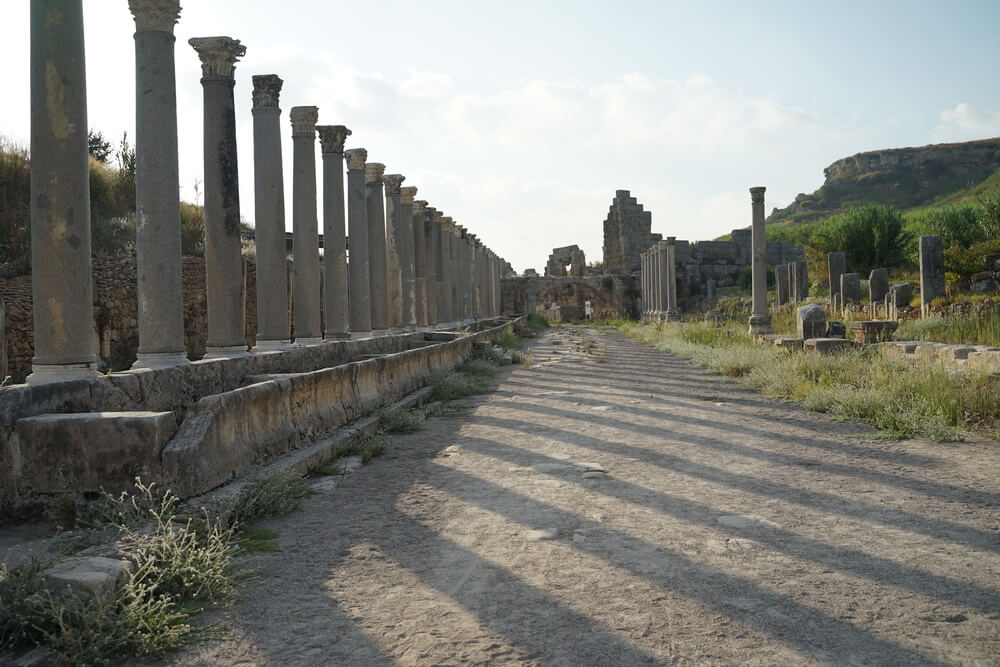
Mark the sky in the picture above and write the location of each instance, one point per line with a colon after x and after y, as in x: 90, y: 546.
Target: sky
x: 520, y: 119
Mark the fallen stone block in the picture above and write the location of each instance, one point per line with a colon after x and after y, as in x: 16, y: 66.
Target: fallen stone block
x: 874, y: 331
x: 789, y: 343
x: 827, y: 345
x: 87, y: 576
x: 810, y: 321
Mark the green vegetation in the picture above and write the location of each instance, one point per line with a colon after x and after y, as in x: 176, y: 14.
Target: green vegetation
x: 472, y: 378
x: 399, y: 421
x: 257, y: 540
x: 267, y: 495
x: 536, y: 323
x: 900, y: 399
x: 966, y: 329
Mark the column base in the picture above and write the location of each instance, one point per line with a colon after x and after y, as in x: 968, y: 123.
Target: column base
x: 306, y: 342
x: 336, y: 335
x: 760, y: 324
x: 46, y: 373
x: 160, y: 360
x: 271, y: 345
x: 381, y: 332
x: 226, y: 352
x: 361, y: 334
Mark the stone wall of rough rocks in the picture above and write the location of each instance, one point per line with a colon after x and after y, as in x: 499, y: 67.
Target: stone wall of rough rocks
x: 610, y: 296
x: 115, y: 313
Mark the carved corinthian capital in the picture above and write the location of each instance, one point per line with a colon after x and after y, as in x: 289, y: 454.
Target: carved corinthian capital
x: 266, y: 88
x: 356, y: 158
x: 757, y: 193
x: 332, y: 138
x: 304, y: 121
x: 419, y: 206
x: 408, y: 193
x: 373, y: 172
x: 392, y: 183
x: 159, y: 15
x: 218, y: 54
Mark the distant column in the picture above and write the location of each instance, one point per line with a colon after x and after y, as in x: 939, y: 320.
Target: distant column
x: 663, y: 259
x: 643, y: 284
x: 657, y: 285
x: 331, y: 139
x: 376, y: 247
x: 159, y: 284
x: 393, y: 243
x: 445, y: 270
x: 357, y: 245
x: 269, y: 210
x: 760, y: 320
x: 672, y: 314
x: 305, y: 227
x: 406, y: 256
x: 419, y: 264
x: 432, y: 246
x: 837, y: 263
x: 60, y: 197
x: 931, y: 272
x: 223, y: 261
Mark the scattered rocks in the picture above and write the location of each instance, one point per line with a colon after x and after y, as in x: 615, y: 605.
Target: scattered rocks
x: 87, y: 576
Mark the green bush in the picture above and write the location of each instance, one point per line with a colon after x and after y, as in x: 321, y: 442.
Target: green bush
x: 870, y: 237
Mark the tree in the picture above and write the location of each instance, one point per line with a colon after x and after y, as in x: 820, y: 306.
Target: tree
x: 98, y: 146
x: 870, y: 237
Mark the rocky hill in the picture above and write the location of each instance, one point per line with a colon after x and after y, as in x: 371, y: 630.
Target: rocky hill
x: 903, y: 177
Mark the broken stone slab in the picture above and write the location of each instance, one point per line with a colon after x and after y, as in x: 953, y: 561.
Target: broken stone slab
x: 901, y: 294
x: 789, y: 343
x: 87, y: 576
x: 827, y: 345
x: 873, y: 331
x: 878, y: 285
x: 810, y: 321
x: 898, y: 349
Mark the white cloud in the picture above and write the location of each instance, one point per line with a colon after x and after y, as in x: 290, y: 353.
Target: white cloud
x: 966, y: 122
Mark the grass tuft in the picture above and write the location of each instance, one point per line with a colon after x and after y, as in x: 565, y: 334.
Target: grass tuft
x: 266, y: 496
x: 399, y: 421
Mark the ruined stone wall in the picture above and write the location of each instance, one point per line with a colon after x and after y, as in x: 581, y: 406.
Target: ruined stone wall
x: 611, y: 296
x: 627, y: 233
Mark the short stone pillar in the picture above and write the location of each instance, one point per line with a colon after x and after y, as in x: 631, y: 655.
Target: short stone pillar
x: 378, y: 270
x: 781, y: 287
x: 419, y: 263
x: 61, y: 287
x: 878, y: 288
x: 223, y: 260
x: 335, y: 294
x: 850, y: 290
x: 810, y: 321
x: 802, y: 280
x: 931, y: 272
x: 357, y: 233
x: 393, y: 242
x: 760, y: 320
x: 159, y: 284
x: 305, y: 227
x: 407, y: 258
x: 269, y: 210
x: 837, y: 265
x: 672, y: 313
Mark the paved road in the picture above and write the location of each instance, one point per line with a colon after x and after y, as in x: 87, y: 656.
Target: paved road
x: 612, y: 505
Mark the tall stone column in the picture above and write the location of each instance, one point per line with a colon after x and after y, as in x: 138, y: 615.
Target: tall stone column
x: 331, y: 139
x: 760, y: 319
x: 159, y: 284
x: 305, y: 228
x: 643, y: 284
x: 432, y: 245
x: 357, y: 246
x: 223, y: 261
x: 393, y: 243
x: 656, y: 288
x: 445, y: 270
x: 406, y: 256
x: 377, y: 267
x: 836, y: 266
x: 663, y: 259
x: 673, y: 309
x: 269, y: 211
x: 419, y: 263
x: 482, y: 281
x: 63, y: 315
x: 467, y: 282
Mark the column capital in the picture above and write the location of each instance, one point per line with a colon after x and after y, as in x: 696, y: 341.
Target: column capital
x: 373, y: 172
x: 661, y: 245
x: 438, y: 215
x: 392, y: 183
x: 356, y: 158
x: 159, y: 15
x: 332, y: 138
x: 408, y: 194
x: 419, y: 206
x: 304, y: 121
x: 671, y: 240
x: 757, y: 193
x: 218, y: 54
x: 266, y: 88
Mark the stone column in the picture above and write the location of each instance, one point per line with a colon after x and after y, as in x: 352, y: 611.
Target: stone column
x: 760, y: 320
x: 305, y: 228
x: 780, y: 285
x: 419, y: 264
x: 643, y: 286
x: 159, y: 284
x: 672, y: 309
x: 377, y: 268
x: 223, y: 261
x: 61, y: 284
x: 406, y: 256
x: 483, y: 278
x: 393, y: 243
x: 837, y: 265
x: 792, y: 273
x: 432, y: 245
x: 357, y: 246
x: 461, y: 282
x: 269, y: 211
x: 445, y: 270
x: 331, y: 139
x: 663, y: 286
x: 802, y: 279
x: 931, y: 272
x: 656, y: 291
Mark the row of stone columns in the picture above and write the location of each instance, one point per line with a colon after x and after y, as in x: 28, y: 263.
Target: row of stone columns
x: 396, y: 264
x: 658, y: 279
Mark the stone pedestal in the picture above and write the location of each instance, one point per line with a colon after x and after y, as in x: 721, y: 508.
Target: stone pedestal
x: 60, y: 197
x: 760, y: 320
x: 393, y: 239
x: 376, y: 248
x: 159, y: 285
x: 305, y: 228
x: 357, y: 234
x: 419, y: 264
x: 269, y: 209
x: 223, y: 261
x: 931, y: 272
x: 407, y: 259
x: 331, y: 138
x: 837, y: 263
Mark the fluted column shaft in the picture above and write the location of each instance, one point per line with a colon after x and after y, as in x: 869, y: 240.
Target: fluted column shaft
x: 223, y: 261
x: 376, y: 247
x: 60, y: 197
x: 357, y: 234
x: 406, y: 256
x: 419, y: 264
x: 760, y: 320
x: 335, y: 296
x: 269, y: 212
x: 393, y: 243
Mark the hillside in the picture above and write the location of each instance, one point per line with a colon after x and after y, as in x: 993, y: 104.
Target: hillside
x: 906, y: 178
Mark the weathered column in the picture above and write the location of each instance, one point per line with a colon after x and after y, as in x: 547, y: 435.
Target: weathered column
x: 377, y: 268
x: 837, y: 265
x: 335, y: 296
x: 305, y: 227
x: 644, y: 285
x: 483, y: 281
x: 393, y: 243
x: 223, y: 261
x: 461, y: 282
x: 673, y: 313
x: 406, y: 256
x: 931, y: 272
x: 432, y: 247
x: 657, y: 292
x: 269, y: 211
x: 357, y: 245
x: 780, y: 285
x: 419, y: 263
x: 792, y: 280
x: 760, y: 320
x: 159, y: 284
x: 663, y: 259
x: 445, y: 270
x: 802, y: 279
x: 61, y: 285
x: 878, y: 287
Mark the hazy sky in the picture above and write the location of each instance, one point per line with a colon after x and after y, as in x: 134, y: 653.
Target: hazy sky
x: 520, y: 119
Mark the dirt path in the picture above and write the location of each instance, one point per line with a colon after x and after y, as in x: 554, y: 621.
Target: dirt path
x: 727, y: 529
